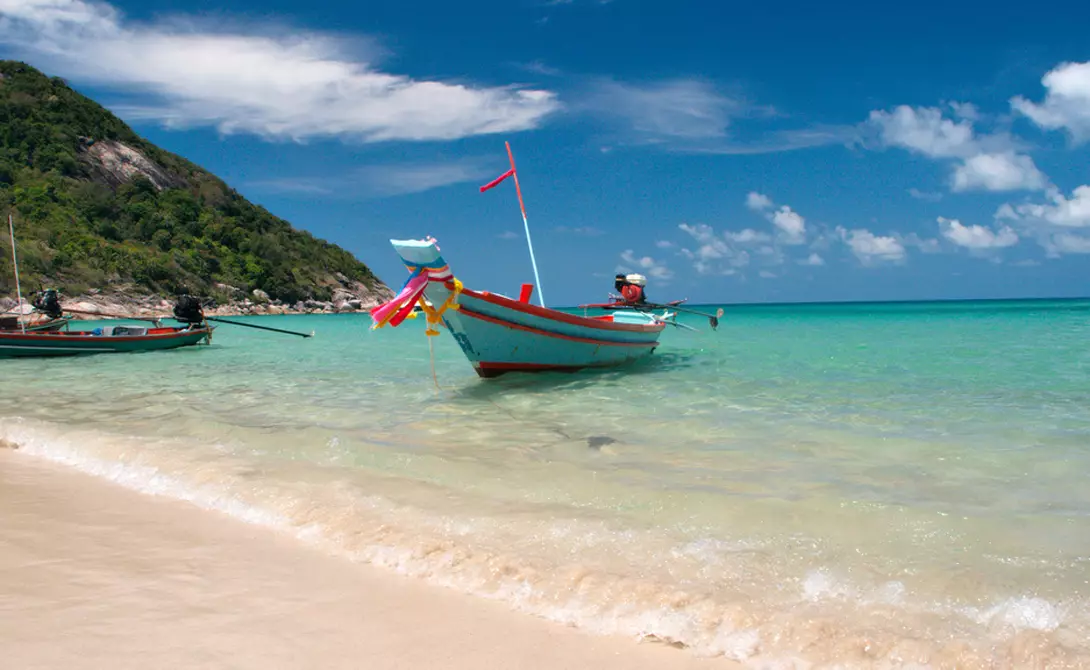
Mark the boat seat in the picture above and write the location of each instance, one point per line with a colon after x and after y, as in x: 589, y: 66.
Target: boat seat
x: 123, y: 331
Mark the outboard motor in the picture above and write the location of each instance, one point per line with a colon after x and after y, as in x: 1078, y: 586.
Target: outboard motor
x: 188, y: 309
x: 48, y: 302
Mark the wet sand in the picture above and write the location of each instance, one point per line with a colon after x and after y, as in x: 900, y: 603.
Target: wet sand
x: 93, y: 576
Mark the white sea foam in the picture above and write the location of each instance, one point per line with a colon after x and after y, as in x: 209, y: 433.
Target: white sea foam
x: 559, y: 572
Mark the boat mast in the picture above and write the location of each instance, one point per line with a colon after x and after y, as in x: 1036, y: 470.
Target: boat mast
x: 526, y: 225
x: 15, y: 262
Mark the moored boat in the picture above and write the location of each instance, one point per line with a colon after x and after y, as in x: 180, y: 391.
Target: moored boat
x: 106, y: 339
x: 14, y: 323
x: 499, y: 334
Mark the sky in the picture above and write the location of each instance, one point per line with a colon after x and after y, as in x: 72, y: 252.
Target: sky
x: 761, y: 153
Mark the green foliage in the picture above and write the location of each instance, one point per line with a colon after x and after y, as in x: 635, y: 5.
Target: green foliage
x: 80, y: 225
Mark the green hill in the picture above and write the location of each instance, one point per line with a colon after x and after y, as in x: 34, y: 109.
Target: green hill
x: 96, y: 206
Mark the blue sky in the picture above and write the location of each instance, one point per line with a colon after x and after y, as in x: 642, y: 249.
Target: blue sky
x: 776, y: 152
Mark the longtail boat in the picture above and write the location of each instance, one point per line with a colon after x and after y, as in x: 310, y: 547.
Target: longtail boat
x: 14, y: 323
x: 499, y: 334
x: 105, y: 339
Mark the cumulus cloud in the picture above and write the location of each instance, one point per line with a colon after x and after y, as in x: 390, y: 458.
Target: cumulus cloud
x: 713, y: 254
x: 977, y: 237
x: 1060, y: 226
x: 1073, y: 212
x: 791, y: 225
x: 758, y: 201
x: 813, y: 259
x: 645, y: 265
x: 1067, y: 101
x: 292, y: 86
x: 983, y: 162
x: 924, y: 130
x: 998, y: 172
x: 872, y: 249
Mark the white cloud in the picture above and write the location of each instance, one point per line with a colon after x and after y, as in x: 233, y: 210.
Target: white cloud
x: 985, y: 162
x: 924, y: 195
x: 1067, y: 101
x: 671, y: 109
x: 295, y: 86
x: 767, y: 274
x: 870, y: 248
x: 791, y: 225
x: 714, y: 255
x: 925, y: 245
x: 1068, y: 243
x: 381, y: 181
x: 747, y: 236
x: 758, y: 201
x: 813, y: 259
x: 975, y: 236
x: 924, y: 130
x: 509, y: 235
x: 585, y: 231
x: 665, y: 244
x: 965, y: 110
x: 1073, y: 212
x: 644, y: 265
x: 998, y: 172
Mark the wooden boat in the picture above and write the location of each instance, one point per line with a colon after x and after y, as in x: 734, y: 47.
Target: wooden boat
x: 107, y: 339
x: 499, y: 334
x: 12, y: 323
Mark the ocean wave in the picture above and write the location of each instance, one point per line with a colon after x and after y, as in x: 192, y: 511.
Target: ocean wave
x: 730, y: 597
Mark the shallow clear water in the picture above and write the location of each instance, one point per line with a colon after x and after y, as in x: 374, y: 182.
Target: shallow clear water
x: 861, y: 484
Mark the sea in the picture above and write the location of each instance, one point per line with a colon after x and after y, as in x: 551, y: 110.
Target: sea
x: 831, y: 485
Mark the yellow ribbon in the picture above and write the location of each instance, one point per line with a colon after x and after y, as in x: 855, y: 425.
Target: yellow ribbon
x: 435, y: 316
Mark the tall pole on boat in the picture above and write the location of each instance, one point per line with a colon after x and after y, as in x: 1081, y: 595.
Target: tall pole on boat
x: 15, y: 262
x: 526, y: 225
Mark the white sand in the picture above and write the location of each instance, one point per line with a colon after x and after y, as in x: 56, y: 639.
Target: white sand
x: 96, y: 576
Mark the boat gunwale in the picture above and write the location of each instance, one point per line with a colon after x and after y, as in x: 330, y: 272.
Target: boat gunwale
x: 547, y: 333
x: 85, y: 336
x: 556, y: 315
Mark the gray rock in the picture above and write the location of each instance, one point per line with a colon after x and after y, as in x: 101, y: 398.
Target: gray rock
x: 261, y: 295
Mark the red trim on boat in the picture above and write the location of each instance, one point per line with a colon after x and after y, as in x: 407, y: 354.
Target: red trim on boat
x: 548, y: 333
x: 86, y: 335
x: 555, y: 315
x: 488, y: 370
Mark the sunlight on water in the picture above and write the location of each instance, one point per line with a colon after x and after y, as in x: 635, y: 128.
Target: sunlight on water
x: 886, y: 483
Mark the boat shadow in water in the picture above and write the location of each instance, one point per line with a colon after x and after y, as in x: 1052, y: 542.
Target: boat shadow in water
x: 533, y: 382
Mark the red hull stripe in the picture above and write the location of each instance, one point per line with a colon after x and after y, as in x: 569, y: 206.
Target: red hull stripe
x: 538, y: 331
x: 554, y: 315
x: 524, y: 367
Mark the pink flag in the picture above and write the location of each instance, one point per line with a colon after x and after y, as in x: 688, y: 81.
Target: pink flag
x: 497, y: 180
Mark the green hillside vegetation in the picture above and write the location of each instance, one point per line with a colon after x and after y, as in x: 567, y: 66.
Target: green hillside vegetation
x: 91, y: 212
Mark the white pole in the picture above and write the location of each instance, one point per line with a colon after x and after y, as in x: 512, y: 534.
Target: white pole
x: 526, y: 225
x: 15, y: 262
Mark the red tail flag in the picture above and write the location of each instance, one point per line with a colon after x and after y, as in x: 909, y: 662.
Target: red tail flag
x: 497, y: 180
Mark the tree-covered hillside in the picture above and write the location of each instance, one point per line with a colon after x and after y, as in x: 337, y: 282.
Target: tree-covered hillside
x: 96, y: 205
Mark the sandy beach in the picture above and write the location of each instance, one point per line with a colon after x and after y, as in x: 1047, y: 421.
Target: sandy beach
x: 94, y: 576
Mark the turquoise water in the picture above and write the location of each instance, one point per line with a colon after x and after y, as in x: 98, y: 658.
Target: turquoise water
x: 877, y: 484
